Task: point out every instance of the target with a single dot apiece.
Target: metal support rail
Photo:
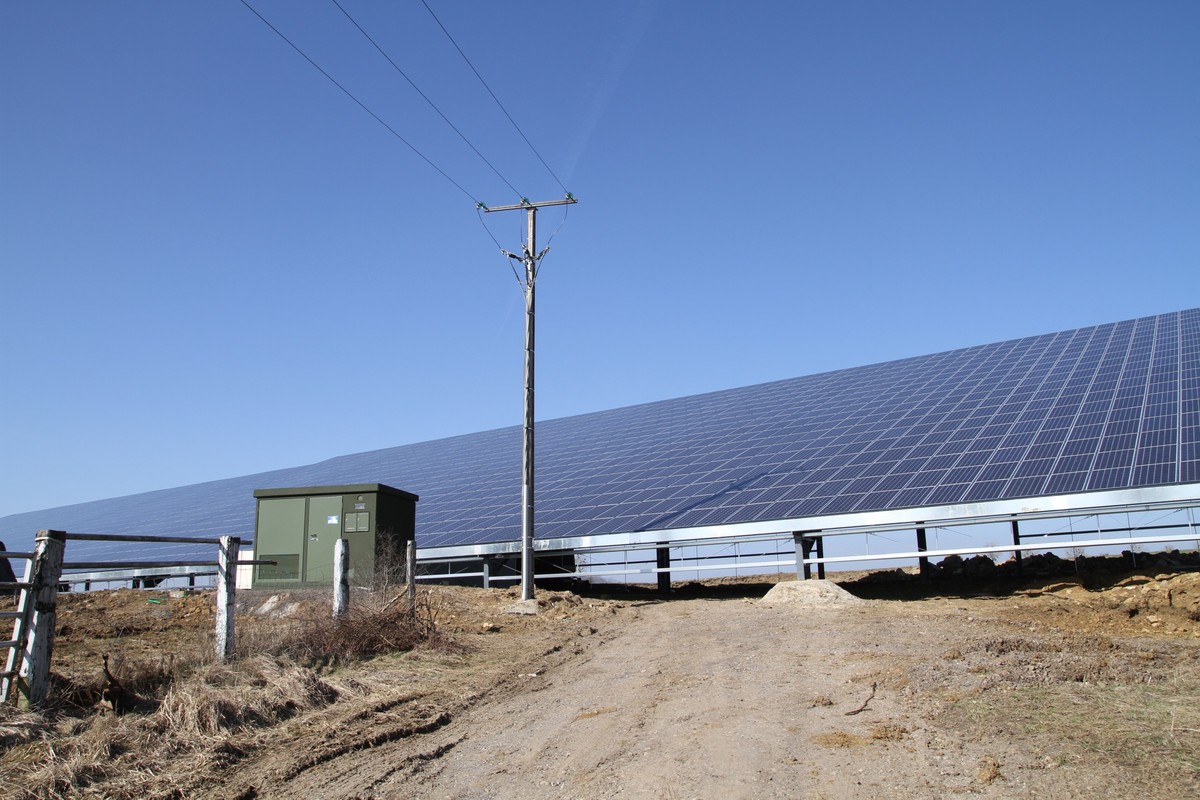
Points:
(1003, 548)
(751, 565)
(100, 565)
(114, 537)
(791, 562)
(113, 572)
(136, 564)
(1099, 531)
(606, 573)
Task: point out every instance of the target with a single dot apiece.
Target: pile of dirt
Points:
(810, 594)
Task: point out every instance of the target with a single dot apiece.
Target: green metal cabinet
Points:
(297, 529)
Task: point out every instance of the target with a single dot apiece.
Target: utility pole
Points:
(531, 259)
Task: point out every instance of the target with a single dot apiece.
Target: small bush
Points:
(363, 632)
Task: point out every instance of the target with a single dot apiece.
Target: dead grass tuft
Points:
(19, 727)
(840, 739)
(259, 693)
(989, 771)
(889, 732)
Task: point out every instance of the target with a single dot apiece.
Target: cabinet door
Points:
(280, 538)
(324, 528)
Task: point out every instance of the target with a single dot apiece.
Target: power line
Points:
(425, 97)
(360, 103)
(493, 94)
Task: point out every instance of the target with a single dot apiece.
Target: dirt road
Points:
(827, 697)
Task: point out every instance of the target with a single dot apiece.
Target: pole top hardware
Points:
(525, 204)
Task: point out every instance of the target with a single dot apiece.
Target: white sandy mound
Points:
(810, 593)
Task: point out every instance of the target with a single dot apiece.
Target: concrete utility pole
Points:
(531, 258)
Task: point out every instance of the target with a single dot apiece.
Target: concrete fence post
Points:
(44, 573)
(410, 574)
(227, 559)
(341, 577)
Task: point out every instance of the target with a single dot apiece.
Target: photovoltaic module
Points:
(1113, 406)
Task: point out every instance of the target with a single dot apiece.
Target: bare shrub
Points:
(365, 631)
(391, 562)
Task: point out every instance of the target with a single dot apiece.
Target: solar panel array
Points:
(1105, 407)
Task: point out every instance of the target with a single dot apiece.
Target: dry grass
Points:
(49, 757)
(193, 710)
(255, 694)
(883, 732)
(1156, 723)
(840, 739)
(59, 756)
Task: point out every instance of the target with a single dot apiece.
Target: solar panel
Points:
(1107, 407)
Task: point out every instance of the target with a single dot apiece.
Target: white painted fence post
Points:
(44, 573)
(227, 558)
(410, 574)
(341, 577)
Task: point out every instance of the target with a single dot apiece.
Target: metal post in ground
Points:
(664, 568)
(922, 546)
(804, 547)
(1016, 539)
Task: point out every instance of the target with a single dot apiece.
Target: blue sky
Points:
(214, 263)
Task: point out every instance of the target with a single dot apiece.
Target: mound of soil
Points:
(812, 593)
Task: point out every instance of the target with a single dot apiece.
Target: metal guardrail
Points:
(121, 575)
(110, 572)
(115, 537)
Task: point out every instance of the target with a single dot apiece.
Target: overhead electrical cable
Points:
(425, 97)
(493, 94)
(360, 103)
(561, 223)
(500, 247)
